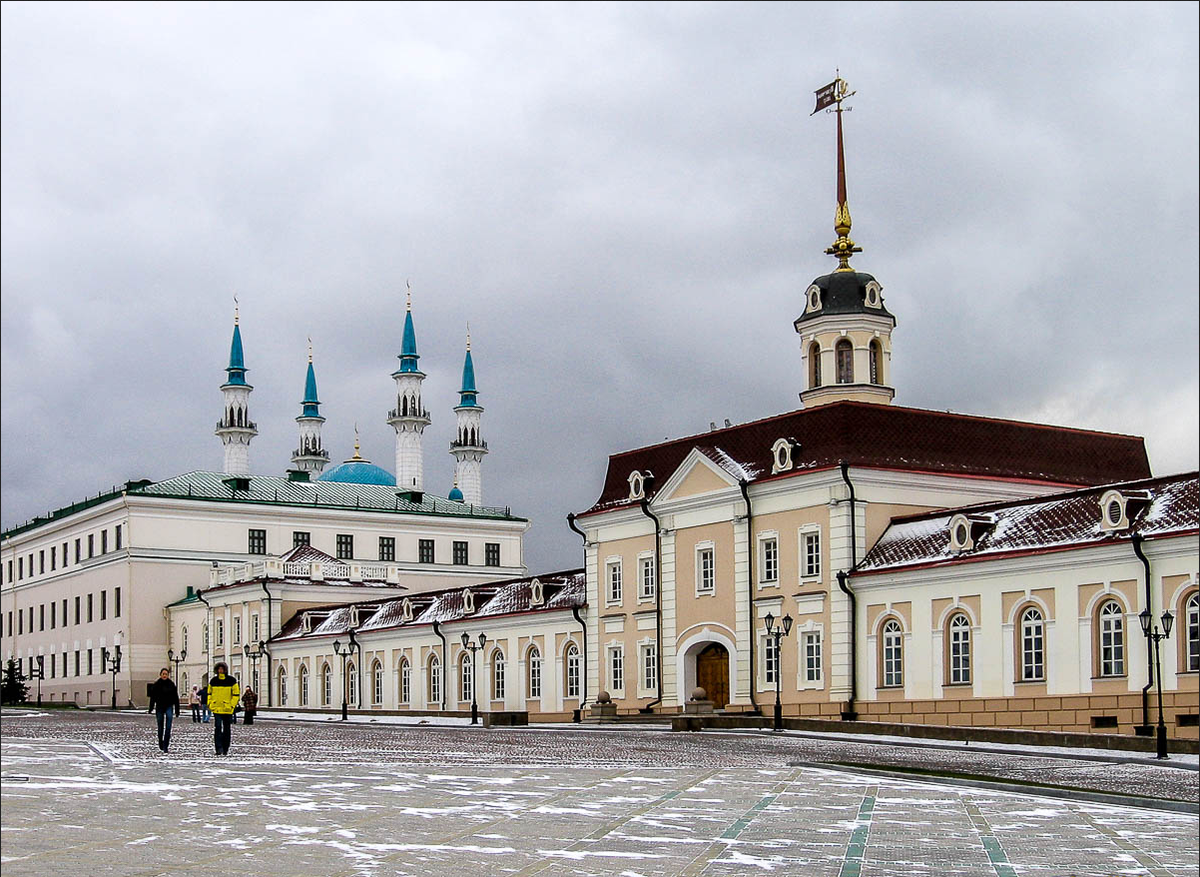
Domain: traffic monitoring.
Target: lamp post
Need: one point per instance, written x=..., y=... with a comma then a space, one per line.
x=473, y=648
x=176, y=660
x=344, y=654
x=39, y=673
x=110, y=662
x=1152, y=633
x=253, y=656
x=777, y=634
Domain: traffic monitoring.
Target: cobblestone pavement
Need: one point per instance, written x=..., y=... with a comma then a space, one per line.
x=91, y=793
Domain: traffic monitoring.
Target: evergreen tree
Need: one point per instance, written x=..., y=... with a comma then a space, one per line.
x=13, y=689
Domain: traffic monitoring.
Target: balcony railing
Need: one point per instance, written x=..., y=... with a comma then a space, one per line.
x=457, y=444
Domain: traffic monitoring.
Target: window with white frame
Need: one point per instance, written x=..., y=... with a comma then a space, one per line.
x=237, y=629
x=465, y=689
x=203, y=628
x=1191, y=615
x=646, y=577
x=616, y=668
x=405, y=681
x=768, y=560
x=770, y=660
x=572, y=671
x=352, y=684
x=326, y=685
x=497, y=675
x=811, y=644
x=302, y=684
x=612, y=574
x=377, y=683
x=893, y=654
x=220, y=635
x=435, y=680
x=649, y=667
x=706, y=570
x=254, y=628
x=1033, y=645
x=960, y=649
x=810, y=550
x=1112, y=639
x=534, y=663
x=281, y=688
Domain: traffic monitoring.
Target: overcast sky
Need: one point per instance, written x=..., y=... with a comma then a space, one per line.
x=626, y=202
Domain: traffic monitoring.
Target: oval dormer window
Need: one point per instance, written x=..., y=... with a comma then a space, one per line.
x=872, y=295
x=637, y=485
x=1114, y=512
x=814, y=298
x=781, y=451
x=406, y=609
x=536, y=595
x=468, y=601
x=961, y=534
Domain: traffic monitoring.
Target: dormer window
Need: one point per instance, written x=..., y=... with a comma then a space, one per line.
x=354, y=616
x=967, y=530
x=468, y=601
x=872, y=295
x=638, y=482
x=814, y=299
x=306, y=623
x=781, y=454
x=406, y=609
x=1117, y=507
x=536, y=593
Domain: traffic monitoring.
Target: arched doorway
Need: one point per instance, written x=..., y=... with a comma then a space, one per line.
x=712, y=673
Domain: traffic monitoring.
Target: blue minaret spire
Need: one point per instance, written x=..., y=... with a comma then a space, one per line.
x=408, y=346
x=310, y=456
x=468, y=391
x=468, y=447
x=235, y=428
x=311, y=402
x=409, y=418
x=237, y=361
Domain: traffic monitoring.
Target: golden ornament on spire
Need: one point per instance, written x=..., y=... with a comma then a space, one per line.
x=235, y=310
x=357, y=455
x=834, y=93
x=310, y=348
x=409, y=285
x=468, y=337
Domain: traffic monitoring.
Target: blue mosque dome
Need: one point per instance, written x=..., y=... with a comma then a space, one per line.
x=356, y=470
x=455, y=495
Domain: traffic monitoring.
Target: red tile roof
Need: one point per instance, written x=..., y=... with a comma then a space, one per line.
x=892, y=437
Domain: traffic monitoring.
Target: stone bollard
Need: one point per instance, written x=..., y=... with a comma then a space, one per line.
x=603, y=710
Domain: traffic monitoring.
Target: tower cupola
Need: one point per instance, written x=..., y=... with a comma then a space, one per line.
x=235, y=428
x=468, y=447
x=409, y=418
x=310, y=455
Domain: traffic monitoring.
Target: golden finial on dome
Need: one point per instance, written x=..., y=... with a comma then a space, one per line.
x=310, y=348
x=834, y=93
x=357, y=455
x=409, y=285
x=235, y=310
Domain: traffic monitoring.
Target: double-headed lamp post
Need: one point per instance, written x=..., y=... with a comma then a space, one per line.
x=777, y=634
x=111, y=662
x=176, y=660
x=473, y=648
x=1150, y=629
x=39, y=673
x=253, y=656
x=344, y=654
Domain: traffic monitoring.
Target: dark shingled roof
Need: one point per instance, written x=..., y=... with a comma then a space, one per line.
x=892, y=437
x=1044, y=523
x=844, y=292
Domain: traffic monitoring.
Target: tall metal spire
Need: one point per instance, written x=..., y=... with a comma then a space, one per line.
x=834, y=93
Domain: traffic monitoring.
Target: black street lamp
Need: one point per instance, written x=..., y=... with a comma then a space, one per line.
x=344, y=655
x=111, y=662
x=777, y=634
x=176, y=660
x=1150, y=629
x=39, y=673
x=253, y=656
x=467, y=644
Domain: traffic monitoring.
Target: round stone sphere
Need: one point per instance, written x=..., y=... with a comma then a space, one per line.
x=603, y=697
x=699, y=693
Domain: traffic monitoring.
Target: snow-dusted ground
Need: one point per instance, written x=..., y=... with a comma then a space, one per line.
x=91, y=794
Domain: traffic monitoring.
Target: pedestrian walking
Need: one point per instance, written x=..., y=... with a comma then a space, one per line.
x=194, y=703
x=223, y=696
x=249, y=705
x=164, y=703
x=205, y=712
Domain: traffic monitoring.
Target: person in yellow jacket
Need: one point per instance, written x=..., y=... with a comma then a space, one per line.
x=223, y=696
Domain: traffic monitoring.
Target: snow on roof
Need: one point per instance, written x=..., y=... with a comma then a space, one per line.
x=1058, y=521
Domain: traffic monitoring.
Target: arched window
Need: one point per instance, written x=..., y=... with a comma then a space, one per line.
x=466, y=690
x=1033, y=645
x=302, y=684
x=204, y=635
x=377, y=683
x=183, y=687
x=351, y=693
x=183, y=638
x=571, y=683
x=281, y=687
x=534, y=665
x=1112, y=639
x=960, y=650
x=405, y=681
x=814, y=364
x=893, y=654
x=435, y=680
x=326, y=685
x=1191, y=629
x=498, y=675
x=876, y=362
x=844, y=355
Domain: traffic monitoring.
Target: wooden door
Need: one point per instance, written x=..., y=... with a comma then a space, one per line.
x=712, y=674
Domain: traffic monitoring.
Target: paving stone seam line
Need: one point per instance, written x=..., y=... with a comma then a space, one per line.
x=701, y=862
x=856, y=847
x=991, y=843
x=1146, y=860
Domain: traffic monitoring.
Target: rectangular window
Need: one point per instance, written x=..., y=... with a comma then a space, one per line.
x=387, y=548
x=117, y=536
x=616, y=668
x=53, y=557
x=299, y=537
x=20, y=567
x=64, y=664
x=256, y=541
x=53, y=613
x=41, y=562
x=77, y=554
x=254, y=631
x=104, y=541
x=491, y=554
x=64, y=554
x=53, y=667
x=769, y=560
x=613, y=576
x=812, y=657
x=91, y=602
x=770, y=656
x=91, y=658
x=77, y=662
x=460, y=553
x=77, y=610
x=706, y=571
x=220, y=632
x=10, y=571
x=42, y=617
x=646, y=578
x=649, y=667
x=91, y=545
x=425, y=550
x=811, y=561
x=64, y=613
x=345, y=546
x=10, y=633
x=20, y=622
x=116, y=602
x=237, y=629
x=103, y=605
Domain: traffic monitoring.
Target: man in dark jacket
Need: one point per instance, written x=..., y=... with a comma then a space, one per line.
x=164, y=703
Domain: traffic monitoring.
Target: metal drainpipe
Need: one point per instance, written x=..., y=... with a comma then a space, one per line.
x=645, y=504
x=267, y=637
x=750, y=552
x=437, y=628
x=270, y=681
x=575, y=611
x=842, y=577
x=1137, y=540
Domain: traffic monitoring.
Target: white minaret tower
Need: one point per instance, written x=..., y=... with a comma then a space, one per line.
x=235, y=427
x=310, y=456
x=468, y=446
x=409, y=418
